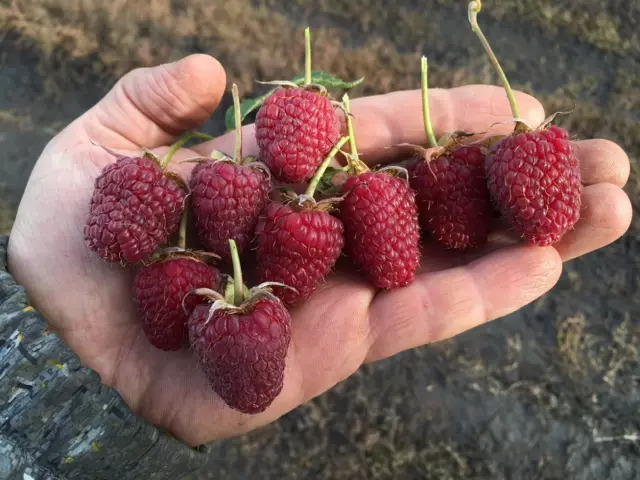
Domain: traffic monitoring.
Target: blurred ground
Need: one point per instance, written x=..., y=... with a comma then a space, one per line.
x=550, y=392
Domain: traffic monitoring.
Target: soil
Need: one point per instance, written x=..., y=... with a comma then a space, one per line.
x=550, y=392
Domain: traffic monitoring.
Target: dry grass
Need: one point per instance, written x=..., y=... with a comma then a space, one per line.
x=112, y=38
x=117, y=36
x=585, y=353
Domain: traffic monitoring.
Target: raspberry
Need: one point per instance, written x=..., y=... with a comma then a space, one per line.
x=534, y=178
x=243, y=354
x=381, y=228
x=159, y=291
x=226, y=199
x=533, y=175
x=135, y=207
x=242, y=344
x=452, y=197
x=228, y=194
x=297, y=246
x=295, y=130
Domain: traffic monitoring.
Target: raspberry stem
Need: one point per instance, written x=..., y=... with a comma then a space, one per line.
x=352, y=137
x=182, y=231
x=356, y=165
x=313, y=184
x=307, y=56
x=237, y=154
x=238, y=286
x=179, y=143
x=425, y=102
x=474, y=8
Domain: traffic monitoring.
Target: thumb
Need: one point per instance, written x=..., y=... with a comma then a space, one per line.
x=150, y=107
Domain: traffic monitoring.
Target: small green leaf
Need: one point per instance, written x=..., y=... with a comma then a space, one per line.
x=327, y=186
x=247, y=106
x=327, y=80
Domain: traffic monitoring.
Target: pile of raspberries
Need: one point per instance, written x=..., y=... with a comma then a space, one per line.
x=246, y=208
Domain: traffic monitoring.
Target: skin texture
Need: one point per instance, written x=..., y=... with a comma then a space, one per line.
x=346, y=322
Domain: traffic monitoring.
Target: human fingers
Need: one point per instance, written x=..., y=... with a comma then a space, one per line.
x=442, y=304
x=602, y=161
x=604, y=217
x=150, y=107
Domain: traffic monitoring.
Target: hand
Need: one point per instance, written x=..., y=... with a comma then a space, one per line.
x=346, y=322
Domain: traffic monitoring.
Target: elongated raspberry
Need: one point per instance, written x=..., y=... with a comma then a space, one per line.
x=534, y=178
x=453, y=200
x=380, y=218
x=452, y=195
x=533, y=175
x=243, y=353
x=297, y=246
x=295, y=129
x=135, y=207
x=161, y=291
x=241, y=343
x=228, y=194
x=226, y=199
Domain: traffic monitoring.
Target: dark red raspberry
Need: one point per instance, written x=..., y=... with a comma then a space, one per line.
x=453, y=200
x=534, y=178
x=381, y=228
x=242, y=351
x=226, y=199
x=135, y=207
x=297, y=246
x=159, y=290
x=295, y=129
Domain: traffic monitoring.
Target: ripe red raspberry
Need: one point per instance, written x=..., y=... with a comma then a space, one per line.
x=452, y=196
x=298, y=246
x=533, y=175
x=226, y=199
x=381, y=228
x=159, y=290
x=534, y=178
x=135, y=207
x=295, y=129
x=242, y=353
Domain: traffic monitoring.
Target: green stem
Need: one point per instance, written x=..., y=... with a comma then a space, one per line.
x=307, y=56
x=425, y=103
x=182, y=231
x=313, y=184
x=474, y=9
x=352, y=137
x=237, y=154
x=238, y=286
x=178, y=145
x=356, y=166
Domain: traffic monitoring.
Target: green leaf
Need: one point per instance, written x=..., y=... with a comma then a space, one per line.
x=248, y=105
x=327, y=80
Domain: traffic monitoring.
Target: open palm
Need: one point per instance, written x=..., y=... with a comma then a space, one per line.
x=346, y=322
